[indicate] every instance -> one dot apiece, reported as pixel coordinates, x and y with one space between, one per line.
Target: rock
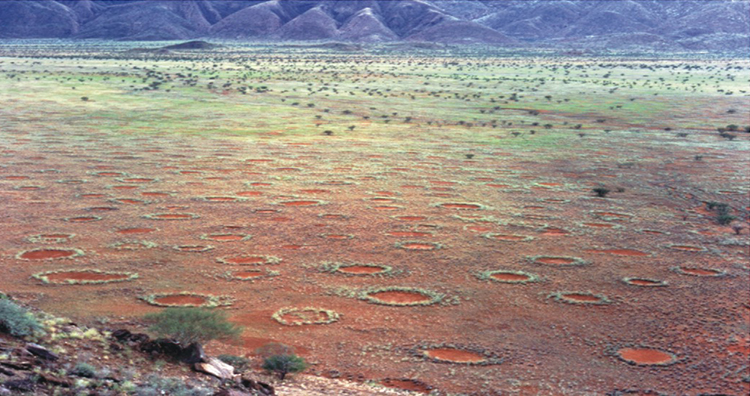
259 387
217 368
41 351
20 385
122 335
193 353
126 337
54 380
7 372
231 392
162 346
24 366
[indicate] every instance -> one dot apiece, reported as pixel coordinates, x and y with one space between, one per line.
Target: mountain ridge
688 24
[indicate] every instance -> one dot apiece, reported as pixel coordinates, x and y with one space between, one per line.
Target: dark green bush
15 320
190 325
284 364
84 370
601 191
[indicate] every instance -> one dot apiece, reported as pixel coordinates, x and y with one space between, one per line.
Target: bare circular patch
49 254
582 298
644 282
642 356
509 276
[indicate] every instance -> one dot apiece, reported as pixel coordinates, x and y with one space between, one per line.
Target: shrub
601 191
84 370
284 364
193 325
16 320
725 218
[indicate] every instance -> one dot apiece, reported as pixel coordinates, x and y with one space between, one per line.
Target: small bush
284 364
84 370
725 218
601 191
189 325
16 320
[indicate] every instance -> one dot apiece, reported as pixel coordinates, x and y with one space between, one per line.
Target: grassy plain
379 210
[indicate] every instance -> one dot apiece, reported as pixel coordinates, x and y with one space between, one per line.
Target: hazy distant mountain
673 24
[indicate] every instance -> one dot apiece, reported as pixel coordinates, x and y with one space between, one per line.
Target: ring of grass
656 282
229 275
693 249
469 205
434 297
211 199
72 181
435 245
208 237
335 268
211 300
330 316
344 236
267 260
318 202
202 248
560 297
611 216
89 218
681 271
490 358
42 276
576 261
40 238
336 216
119 200
487 275
491 236
123 245
154 216
76 253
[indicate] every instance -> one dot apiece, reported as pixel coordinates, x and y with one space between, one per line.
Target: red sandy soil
548 348
46 254
510 277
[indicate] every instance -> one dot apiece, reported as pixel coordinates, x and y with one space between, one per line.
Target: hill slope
688 24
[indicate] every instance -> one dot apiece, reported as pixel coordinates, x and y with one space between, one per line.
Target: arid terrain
423 220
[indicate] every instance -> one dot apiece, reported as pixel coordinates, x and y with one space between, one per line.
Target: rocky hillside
42 354
660 24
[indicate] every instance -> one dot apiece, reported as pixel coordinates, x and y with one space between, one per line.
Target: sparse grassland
433 201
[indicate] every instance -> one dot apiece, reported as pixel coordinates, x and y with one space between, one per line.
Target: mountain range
659 24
